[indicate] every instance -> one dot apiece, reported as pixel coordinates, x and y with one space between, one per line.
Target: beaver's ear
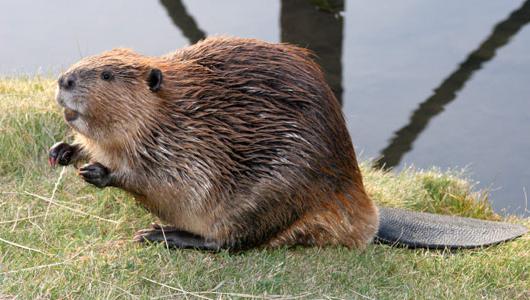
154 79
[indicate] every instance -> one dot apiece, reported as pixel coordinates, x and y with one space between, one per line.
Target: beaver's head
106 95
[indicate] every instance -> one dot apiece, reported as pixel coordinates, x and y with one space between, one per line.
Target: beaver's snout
67 97
67 82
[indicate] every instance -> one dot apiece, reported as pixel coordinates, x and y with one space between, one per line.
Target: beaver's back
268 103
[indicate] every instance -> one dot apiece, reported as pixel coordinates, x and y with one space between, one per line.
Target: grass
79 244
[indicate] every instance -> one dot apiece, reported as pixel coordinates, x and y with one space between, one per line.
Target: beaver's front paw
96 174
61 153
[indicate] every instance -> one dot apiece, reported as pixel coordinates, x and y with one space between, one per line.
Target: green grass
80 246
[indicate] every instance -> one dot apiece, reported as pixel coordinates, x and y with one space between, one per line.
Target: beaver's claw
96 174
60 153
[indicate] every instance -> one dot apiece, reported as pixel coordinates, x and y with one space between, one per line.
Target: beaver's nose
67 82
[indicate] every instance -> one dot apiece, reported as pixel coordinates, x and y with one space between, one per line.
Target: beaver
232 143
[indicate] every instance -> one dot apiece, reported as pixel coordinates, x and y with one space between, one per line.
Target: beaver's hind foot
174 238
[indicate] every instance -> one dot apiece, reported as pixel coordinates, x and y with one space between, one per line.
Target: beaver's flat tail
424 230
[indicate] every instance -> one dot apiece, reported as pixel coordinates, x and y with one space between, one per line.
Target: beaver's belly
177 211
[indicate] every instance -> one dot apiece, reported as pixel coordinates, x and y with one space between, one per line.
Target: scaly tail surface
424 230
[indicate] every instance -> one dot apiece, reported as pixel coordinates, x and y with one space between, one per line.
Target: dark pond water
428 83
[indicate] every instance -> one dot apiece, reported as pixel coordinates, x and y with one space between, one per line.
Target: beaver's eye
106 75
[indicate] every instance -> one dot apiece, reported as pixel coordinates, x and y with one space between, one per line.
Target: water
384 60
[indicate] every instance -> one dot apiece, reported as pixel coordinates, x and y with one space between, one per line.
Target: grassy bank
78 245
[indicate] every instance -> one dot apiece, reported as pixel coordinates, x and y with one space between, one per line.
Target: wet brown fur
244 143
